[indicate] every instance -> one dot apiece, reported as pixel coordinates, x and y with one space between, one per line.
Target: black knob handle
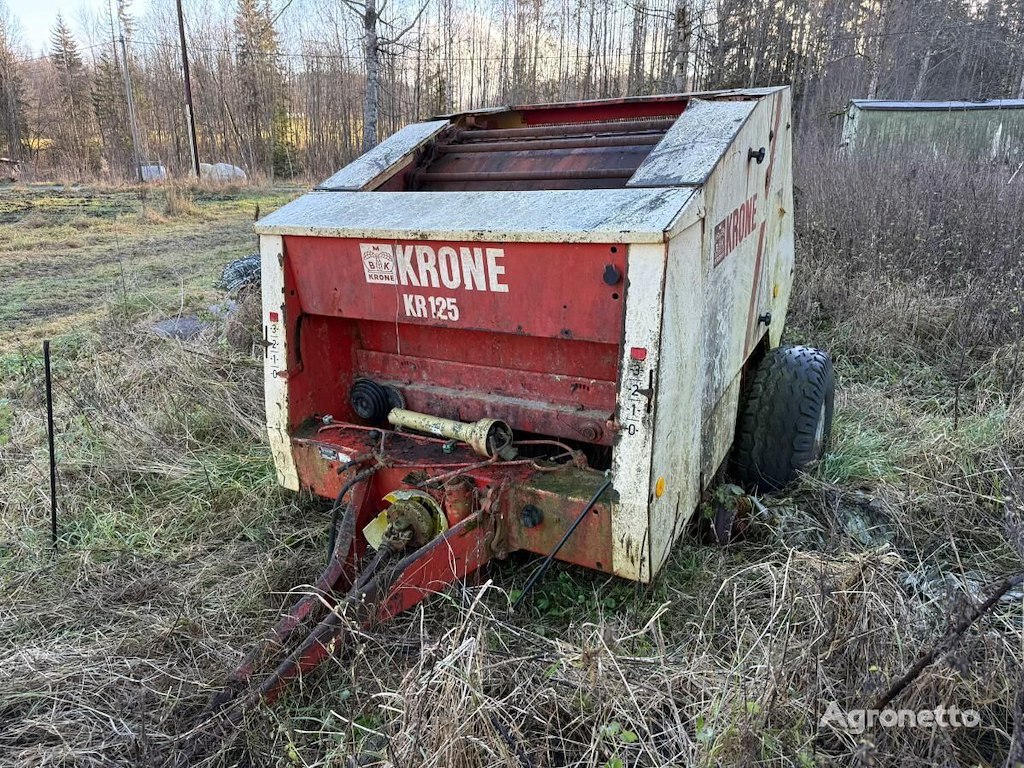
612 275
756 154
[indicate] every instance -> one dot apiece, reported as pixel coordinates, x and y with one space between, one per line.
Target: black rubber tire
785 418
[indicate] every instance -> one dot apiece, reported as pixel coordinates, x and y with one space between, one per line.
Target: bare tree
682 34
373 44
309 95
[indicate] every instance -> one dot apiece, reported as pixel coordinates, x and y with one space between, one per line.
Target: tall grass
908 258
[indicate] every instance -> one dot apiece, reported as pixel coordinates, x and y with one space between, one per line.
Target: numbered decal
433 307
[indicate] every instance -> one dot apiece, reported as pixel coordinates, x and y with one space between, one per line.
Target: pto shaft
488 437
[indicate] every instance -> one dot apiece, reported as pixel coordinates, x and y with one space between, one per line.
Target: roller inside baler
584 287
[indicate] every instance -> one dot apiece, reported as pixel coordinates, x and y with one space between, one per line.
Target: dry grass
178 549
178 201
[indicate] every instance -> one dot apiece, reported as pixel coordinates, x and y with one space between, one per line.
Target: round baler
538 329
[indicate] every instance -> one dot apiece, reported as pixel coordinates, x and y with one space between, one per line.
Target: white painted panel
638 380
694 144
381 162
275 360
738 290
729 285
677 432
780 240
571 215
719 429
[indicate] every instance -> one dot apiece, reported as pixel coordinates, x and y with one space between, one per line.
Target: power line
308 55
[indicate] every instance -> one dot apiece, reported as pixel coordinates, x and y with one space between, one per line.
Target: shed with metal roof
989 130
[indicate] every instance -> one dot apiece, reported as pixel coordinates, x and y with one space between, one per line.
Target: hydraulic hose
338 500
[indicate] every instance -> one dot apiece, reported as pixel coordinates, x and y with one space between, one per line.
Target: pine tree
108 98
72 95
109 105
13 130
65 51
259 81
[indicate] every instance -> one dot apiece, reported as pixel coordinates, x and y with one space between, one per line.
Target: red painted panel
506 382
591 544
321 362
611 109
584 359
532 289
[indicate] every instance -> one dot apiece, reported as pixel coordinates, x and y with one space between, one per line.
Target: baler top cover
653 151
597 273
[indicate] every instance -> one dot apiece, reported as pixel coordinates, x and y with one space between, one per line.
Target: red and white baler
539 328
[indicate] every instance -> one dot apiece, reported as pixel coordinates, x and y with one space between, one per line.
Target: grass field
178 549
68 255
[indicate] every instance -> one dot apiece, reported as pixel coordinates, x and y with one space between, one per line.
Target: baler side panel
677 447
734 268
780 238
639 366
275 359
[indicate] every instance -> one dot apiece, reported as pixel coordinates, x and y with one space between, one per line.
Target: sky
36 17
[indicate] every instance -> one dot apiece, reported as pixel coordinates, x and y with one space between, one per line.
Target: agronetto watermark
859 720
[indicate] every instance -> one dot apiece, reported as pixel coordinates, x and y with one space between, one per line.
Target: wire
561 543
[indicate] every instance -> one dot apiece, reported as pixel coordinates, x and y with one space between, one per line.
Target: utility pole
189 114
132 126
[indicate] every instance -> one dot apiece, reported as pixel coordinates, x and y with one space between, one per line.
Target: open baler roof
619 170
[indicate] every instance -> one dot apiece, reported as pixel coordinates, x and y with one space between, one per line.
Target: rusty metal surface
660 104
560 497
566 129
526 175
529 415
564 155
560 492
541 145
459 499
630 107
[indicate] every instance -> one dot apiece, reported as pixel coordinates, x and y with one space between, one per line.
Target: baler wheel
785 419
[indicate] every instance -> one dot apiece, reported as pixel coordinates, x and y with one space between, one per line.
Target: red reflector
638 353
274 317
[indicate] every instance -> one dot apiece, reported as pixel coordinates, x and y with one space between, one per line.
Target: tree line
299 87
